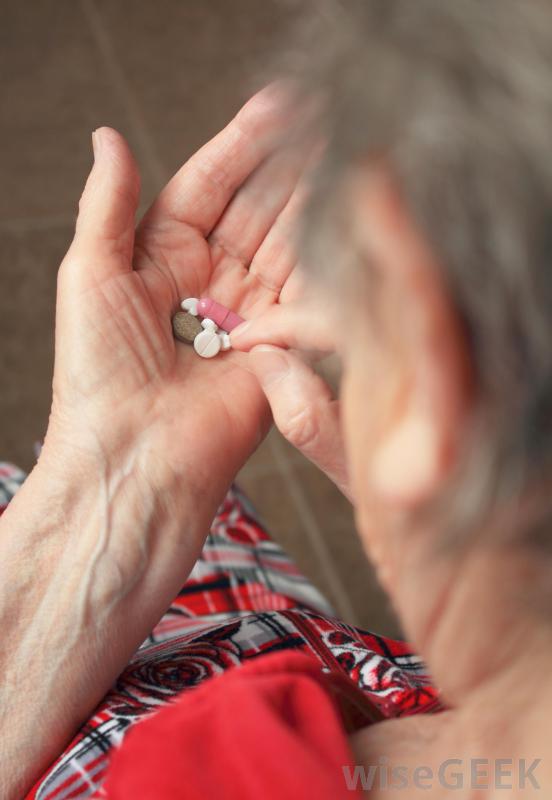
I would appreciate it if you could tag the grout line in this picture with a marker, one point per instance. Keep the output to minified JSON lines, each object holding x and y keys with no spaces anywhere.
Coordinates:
{"x":264,"y":470}
{"x":250,"y":470}
{"x":313,"y":532}
{"x":105,"y":46}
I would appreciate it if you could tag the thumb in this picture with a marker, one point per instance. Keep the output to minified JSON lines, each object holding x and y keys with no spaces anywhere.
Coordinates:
{"x":104,"y":236}
{"x":304,"y":409}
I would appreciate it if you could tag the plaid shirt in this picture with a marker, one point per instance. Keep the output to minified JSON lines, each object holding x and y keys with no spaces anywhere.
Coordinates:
{"x":244,"y":598}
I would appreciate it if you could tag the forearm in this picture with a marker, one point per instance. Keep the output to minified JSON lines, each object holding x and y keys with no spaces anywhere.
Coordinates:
{"x":88,"y":564}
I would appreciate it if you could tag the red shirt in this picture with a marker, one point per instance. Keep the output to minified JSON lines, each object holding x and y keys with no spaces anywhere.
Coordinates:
{"x":274,"y":728}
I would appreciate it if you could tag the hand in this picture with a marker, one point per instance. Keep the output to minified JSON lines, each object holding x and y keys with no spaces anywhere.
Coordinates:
{"x":303,"y":405}
{"x":144,"y":436}
{"x":123,"y":389}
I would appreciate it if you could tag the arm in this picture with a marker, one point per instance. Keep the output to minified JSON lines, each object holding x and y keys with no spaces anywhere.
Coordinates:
{"x":87,"y":568}
{"x":144,"y":437}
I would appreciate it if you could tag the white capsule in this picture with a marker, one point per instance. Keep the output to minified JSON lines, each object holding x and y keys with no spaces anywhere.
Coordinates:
{"x":225,"y":341}
{"x":190,"y":305}
{"x":207,"y":343}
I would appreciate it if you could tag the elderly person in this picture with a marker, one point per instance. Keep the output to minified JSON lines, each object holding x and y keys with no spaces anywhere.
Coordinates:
{"x":426,"y":242}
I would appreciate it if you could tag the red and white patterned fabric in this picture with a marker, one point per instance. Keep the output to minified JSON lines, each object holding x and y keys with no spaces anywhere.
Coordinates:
{"x":244,"y":598}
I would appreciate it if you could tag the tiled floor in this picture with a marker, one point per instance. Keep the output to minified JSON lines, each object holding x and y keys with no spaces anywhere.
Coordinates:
{"x":167,"y":74}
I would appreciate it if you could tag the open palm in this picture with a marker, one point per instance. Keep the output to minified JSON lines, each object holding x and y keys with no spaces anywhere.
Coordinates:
{"x":221,"y":227}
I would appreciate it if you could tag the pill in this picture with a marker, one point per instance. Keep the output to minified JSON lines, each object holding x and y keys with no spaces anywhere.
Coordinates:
{"x":190,"y":305}
{"x":224,"y":318}
{"x":186,"y":327}
{"x":207,"y":343}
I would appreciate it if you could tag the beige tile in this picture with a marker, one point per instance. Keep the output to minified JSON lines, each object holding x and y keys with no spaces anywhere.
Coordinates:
{"x":372,"y":607}
{"x":329,"y":505}
{"x":55,"y":91}
{"x":192,"y":64}
{"x":267,"y":492}
{"x":335,"y":520}
{"x":264,"y":459}
{"x":28,"y":269}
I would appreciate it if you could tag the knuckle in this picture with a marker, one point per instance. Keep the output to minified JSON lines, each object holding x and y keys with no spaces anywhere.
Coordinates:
{"x":302,"y":429}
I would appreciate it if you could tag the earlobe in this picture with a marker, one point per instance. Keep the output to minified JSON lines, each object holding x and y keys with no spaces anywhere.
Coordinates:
{"x":406,"y":468}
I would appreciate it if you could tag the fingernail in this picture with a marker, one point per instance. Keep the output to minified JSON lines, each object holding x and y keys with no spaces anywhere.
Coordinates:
{"x":96,"y":143}
{"x":269,"y":364}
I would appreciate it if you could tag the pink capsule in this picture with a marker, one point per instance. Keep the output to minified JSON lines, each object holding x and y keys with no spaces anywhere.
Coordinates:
{"x":222,"y":316}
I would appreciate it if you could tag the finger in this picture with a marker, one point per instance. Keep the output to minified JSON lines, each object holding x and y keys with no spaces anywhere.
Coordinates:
{"x":104,"y":233}
{"x":294,"y":287}
{"x":275,"y":263}
{"x":303,"y":408}
{"x":293,"y":325}
{"x":276,"y":258}
{"x":200,"y":191}
{"x":256,"y":206}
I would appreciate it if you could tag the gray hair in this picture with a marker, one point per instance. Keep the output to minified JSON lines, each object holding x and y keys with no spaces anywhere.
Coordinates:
{"x":457,"y":96}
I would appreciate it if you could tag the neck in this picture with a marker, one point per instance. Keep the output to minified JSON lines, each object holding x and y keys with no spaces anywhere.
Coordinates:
{"x":494,"y":746}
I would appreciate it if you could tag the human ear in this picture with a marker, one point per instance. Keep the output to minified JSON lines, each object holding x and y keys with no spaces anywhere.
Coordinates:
{"x":427,"y":377}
